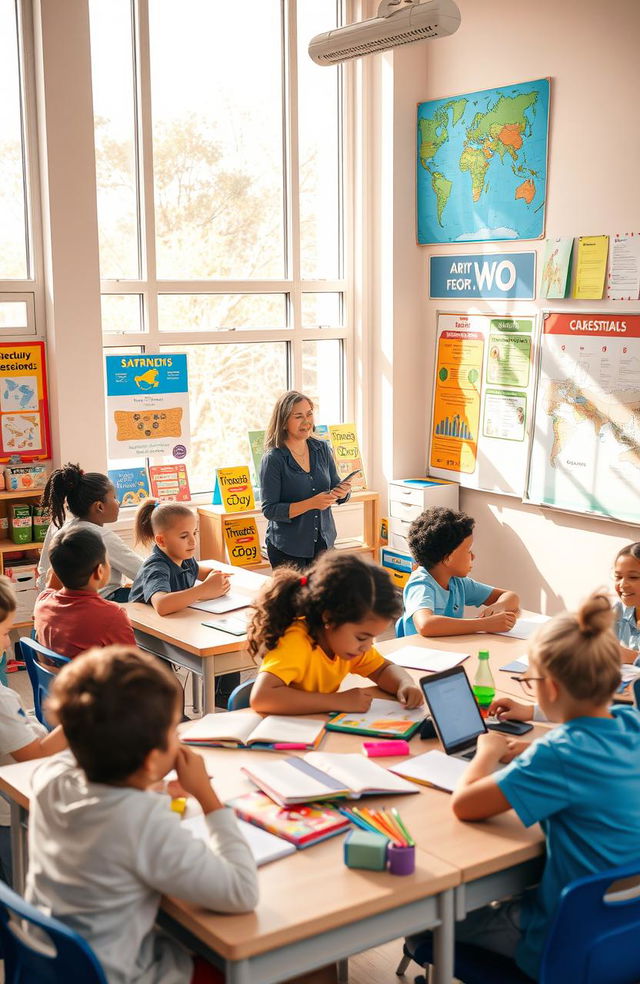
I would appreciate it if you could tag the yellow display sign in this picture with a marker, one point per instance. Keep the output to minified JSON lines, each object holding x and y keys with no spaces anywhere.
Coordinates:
{"x":233,"y":489}
{"x":346,"y":452}
{"x":456,"y":409}
{"x":243,"y":542}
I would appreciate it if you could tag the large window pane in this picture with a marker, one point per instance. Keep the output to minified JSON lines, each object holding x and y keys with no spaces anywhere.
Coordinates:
{"x":217,"y":138}
{"x":218,"y":312}
{"x":115,"y":138}
{"x":319,"y":173}
{"x":121,"y":313}
{"x":13,"y":228}
{"x":232,"y":389}
{"x":321,"y":310}
{"x":322,"y":378}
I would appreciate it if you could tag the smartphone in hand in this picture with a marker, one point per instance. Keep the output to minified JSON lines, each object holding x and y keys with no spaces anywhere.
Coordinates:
{"x":351,"y":475}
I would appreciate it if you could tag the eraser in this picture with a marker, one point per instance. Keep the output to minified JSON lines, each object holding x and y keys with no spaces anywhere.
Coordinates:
{"x":378,"y":749}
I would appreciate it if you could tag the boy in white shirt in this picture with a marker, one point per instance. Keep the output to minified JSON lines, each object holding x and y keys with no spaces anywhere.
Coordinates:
{"x":102,"y":847}
{"x":22,"y":737}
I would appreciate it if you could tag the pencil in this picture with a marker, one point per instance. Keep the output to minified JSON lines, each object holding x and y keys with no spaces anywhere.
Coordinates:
{"x":373,"y":825}
{"x":379,"y":823}
{"x":354,"y":819}
{"x":387,"y":825}
{"x":394,"y":825}
{"x":404,"y":829}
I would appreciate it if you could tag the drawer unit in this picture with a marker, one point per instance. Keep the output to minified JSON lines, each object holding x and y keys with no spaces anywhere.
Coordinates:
{"x":398,"y":533}
{"x":409,"y":497}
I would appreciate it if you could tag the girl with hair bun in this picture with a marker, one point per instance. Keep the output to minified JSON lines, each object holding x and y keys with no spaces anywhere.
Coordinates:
{"x":311,"y":630}
{"x":90,"y":499}
{"x":580,"y":781}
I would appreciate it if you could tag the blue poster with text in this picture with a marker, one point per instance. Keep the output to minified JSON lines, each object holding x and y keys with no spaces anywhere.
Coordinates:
{"x":495,"y":276}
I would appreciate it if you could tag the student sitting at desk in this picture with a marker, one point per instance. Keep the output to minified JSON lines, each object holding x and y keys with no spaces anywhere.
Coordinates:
{"x":167,"y":579}
{"x":76,"y":617}
{"x":580,"y":781}
{"x":313,"y":630}
{"x":102,"y":848}
{"x":627,"y":585}
{"x":22,"y":737}
{"x":436,"y":593}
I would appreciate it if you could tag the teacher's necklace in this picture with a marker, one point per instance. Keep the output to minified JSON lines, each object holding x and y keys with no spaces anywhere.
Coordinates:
{"x":300,"y":457}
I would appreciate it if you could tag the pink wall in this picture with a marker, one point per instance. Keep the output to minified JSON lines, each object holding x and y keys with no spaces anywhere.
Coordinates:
{"x":589,"y":50}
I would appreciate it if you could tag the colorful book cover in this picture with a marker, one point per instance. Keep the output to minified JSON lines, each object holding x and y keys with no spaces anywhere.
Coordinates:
{"x":233,"y":489}
{"x":301,"y":825}
{"x":256,"y":447}
{"x":131,"y":485}
{"x":321,"y":433}
{"x":170,"y":483}
{"x":243,"y":541}
{"x":384,"y":719}
{"x":346,"y":452}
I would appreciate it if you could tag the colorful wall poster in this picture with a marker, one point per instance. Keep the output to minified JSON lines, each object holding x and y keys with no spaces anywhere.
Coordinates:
{"x":170,"y":483}
{"x":502,"y":276}
{"x":624,"y":268}
{"x":482,"y":165}
{"x":585,"y":454}
{"x":24,"y":401}
{"x":233,"y":489}
{"x":243,"y":542}
{"x":556,"y":267}
{"x":147,"y":406}
{"x":483,"y":389}
{"x":256,"y":449}
{"x":131,"y":485}
{"x":346,"y":452}
{"x":591,"y":267}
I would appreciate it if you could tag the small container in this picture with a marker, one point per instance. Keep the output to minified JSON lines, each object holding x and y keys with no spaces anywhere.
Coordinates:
{"x":20,"y":523}
{"x":380,"y":749}
{"x":365,"y":849}
{"x":484,"y":687}
{"x":401,"y":860}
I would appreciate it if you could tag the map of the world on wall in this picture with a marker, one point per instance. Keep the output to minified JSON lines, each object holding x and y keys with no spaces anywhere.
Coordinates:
{"x":482,"y":165}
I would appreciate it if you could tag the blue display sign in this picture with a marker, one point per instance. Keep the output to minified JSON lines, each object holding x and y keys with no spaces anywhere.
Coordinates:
{"x":495,"y":276}
{"x":132,"y":375}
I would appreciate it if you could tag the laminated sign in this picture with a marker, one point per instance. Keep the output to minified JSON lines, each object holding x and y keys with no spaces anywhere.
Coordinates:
{"x":233,"y":489}
{"x":243,"y":542}
{"x":346,"y":452}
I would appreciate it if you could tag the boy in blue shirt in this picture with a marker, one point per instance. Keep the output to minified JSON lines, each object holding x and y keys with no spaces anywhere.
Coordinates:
{"x":435,"y":595}
{"x":581,"y":781}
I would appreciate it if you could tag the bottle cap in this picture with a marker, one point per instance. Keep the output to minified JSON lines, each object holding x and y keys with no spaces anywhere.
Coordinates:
{"x":483,"y":654}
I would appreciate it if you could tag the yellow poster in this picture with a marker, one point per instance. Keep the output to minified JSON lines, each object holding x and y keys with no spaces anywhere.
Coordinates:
{"x":346,"y":452}
{"x":592,"y":267}
{"x":233,"y":489}
{"x":456,"y":409}
{"x":243,"y":542}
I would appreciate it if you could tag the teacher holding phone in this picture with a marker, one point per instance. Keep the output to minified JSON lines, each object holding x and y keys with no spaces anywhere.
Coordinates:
{"x":299,"y":483}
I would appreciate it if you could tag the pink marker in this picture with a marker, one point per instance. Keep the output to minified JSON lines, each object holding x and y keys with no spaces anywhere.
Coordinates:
{"x":283,"y":746}
{"x":378,"y":749}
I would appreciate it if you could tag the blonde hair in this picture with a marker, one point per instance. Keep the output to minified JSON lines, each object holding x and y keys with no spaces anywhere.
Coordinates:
{"x":276,"y":432}
{"x":581,"y":650}
{"x":7,"y":597}
{"x":154,"y":517}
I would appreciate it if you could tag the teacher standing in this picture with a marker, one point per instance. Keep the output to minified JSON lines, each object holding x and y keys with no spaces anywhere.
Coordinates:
{"x":299,"y":483}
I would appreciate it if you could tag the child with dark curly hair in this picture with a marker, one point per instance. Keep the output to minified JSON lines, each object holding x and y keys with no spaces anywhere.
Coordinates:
{"x":435,"y":595}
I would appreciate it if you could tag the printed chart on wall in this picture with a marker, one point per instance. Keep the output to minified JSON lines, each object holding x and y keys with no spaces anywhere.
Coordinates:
{"x":585,"y":454}
{"x":482,"y":401}
{"x":147,"y":406}
{"x":24,"y":401}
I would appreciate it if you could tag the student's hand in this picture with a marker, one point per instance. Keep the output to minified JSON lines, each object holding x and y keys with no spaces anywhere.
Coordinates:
{"x":499,"y":622}
{"x":215,"y":584}
{"x":356,"y":699}
{"x":193,"y":778}
{"x":409,"y":695}
{"x":516,"y":747}
{"x":507,"y":709}
{"x":323,"y":500}
{"x":493,"y":748}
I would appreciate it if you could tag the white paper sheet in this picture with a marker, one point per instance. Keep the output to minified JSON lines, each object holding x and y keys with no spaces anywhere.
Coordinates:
{"x":525,"y":627}
{"x":264,"y":846}
{"x":433,"y":768}
{"x":429,"y":660}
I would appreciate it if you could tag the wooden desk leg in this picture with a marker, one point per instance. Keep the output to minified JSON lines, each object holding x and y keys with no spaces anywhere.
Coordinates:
{"x":18,"y":846}
{"x":443,"y":940}
{"x":209,"y":684}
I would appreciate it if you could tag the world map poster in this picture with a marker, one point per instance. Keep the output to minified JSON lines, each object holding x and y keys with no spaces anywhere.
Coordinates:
{"x":585,"y":455}
{"x":482,"y":165}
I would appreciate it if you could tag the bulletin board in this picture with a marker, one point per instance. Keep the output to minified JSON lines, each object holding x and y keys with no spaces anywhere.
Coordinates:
{"x":24,"y":401}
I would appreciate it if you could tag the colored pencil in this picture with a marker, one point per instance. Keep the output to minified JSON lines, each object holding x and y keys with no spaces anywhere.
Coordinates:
{"x":378,"y":822}
{"x":355,"y":820}
{"x":402,"y":826}
{"x":393,"y":823}
{"x":384,"y":820}
{"x":366,"y":816}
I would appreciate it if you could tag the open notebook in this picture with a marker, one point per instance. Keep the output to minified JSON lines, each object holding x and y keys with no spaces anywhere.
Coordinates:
{"x":433,"y":768}
{"x":246,"y":729}
{"x":264,"y":846}
{"x":321,"y":776}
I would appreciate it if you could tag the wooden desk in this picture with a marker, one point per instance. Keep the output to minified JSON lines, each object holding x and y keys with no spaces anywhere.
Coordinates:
{"x":182,"y":638}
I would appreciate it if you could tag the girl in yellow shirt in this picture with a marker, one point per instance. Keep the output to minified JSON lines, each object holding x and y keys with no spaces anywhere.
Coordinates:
{"x":312,"y":630}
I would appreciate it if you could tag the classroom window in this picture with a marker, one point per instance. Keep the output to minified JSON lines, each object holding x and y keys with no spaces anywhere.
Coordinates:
{"x":14,"y":244}
{"x":221,"y":312}
{"x":322,"y":378}
{"x":121,"y":314}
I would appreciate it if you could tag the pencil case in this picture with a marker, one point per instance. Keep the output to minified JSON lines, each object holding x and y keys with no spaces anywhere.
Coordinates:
{"x":379,"y":749}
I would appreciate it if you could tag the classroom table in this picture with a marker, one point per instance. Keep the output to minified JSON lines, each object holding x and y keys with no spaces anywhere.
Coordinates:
{"x":182,"y":638}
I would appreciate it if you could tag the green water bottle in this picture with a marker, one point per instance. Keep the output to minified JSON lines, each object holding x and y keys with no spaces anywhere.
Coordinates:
{"x":483,"y":686}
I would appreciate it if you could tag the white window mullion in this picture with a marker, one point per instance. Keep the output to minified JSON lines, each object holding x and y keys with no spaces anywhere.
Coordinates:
{"x":292,"y":171}
{"x":145,"y":178}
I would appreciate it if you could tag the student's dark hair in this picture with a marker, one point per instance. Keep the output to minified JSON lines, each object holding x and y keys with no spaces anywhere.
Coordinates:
{"x":7,"y":598}
{"x":75,"y":554}
{"x":78,"y":489}
{"x":338,"y":588}
{"x":631,"y":550}
{"x":154,"y":517}
{"x":115,"y":706}
{"x":581,"y":650}
{"x":436,"y":533}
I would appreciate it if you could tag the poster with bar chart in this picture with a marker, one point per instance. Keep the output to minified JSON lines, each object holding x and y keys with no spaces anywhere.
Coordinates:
{"x":482,"y":399}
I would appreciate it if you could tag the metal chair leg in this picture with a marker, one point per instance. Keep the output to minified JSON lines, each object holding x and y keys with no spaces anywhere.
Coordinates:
{"x":342,"y":971}
{"x":402,"y":966}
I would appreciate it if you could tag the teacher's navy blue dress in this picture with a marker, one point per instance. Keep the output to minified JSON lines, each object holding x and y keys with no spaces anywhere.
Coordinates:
{"x":283,"y":481}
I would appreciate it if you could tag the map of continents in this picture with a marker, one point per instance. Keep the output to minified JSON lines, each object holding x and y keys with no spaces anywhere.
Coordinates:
{"x":482,"y":165}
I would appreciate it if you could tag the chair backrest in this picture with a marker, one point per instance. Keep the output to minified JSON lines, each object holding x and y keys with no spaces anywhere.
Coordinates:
{"x":636,"y":692}
{"x":594,"y":934}
{"x":40,"y":676}
{"x":58,"y":958}
{"x":241,"y":696}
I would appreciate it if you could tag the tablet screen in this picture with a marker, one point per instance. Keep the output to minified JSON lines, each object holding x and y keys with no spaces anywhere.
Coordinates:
{"x":453,"y":708}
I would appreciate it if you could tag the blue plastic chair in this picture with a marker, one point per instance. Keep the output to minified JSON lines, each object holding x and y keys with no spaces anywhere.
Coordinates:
{"x":636,"y":693}
{"x":67,"y":958}
{"x":40,"y":676}
{"x":593,"y":938}
{"x":241,"y":696}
